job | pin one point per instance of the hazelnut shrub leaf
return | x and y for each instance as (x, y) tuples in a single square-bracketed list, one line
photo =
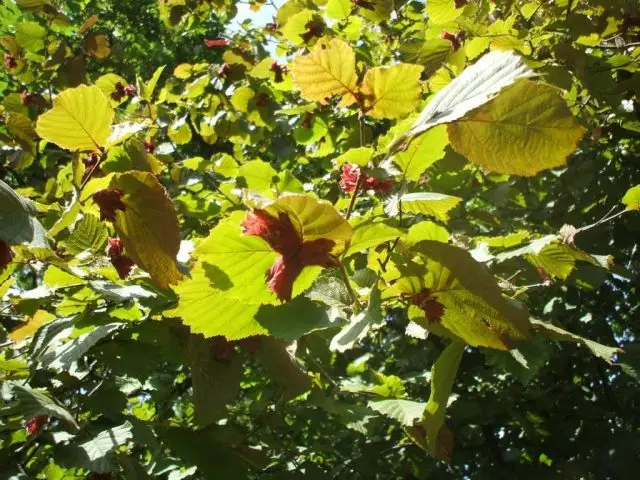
[(149, 226), (80, 119), (524, 130)]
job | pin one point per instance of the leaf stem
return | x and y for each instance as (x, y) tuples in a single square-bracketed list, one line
[(347, 283)]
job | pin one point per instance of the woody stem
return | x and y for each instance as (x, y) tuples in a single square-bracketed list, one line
[(347, 283)]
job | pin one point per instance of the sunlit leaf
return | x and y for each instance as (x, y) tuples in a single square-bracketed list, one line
[(392, 92), (525, 129), (327, 71), (80, 119)]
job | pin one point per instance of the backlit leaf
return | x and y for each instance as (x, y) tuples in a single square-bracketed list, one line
[(434, 204), (631, 199), (327, 71), (148, 226), (79, 120), (524, 130), (392, 92), (475, 86)]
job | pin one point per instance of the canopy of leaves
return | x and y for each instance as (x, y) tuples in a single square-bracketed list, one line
[(319, 239)]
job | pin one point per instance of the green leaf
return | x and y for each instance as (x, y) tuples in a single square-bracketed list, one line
[(17, 223), (89, 234), (294, 319), (259, 175), (180, 131), (426, 231), (28, 402), (421, 153), (631, 199), (80, 119), (237, 263), (367, 234), (212, 312), (67, 218), (100, 450), (556, 333), (474, 307), (282, 367), (145, 90), (148, 226), (443, 374), (61, 357), (406, 412), (54, 277), (524, 130), (338, 9), (215, 382), (328, 70), (435, 204), (442, 11), (359, 325), (392, 92), (475, 86), (360, 156), (30, 36)]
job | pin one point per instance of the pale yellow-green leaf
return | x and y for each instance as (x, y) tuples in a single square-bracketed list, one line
[(30, 36), (631, 199), (183, 70), (55, 277), (258, 175), (80, 119), (368, 234), (358, 156), (426, 231), (179, 131), (237, 263), (435, 204), (422, 152), (527, 128), (241, 98), (338, 9), (442, 11), (296, 26), (327, 71), (210, 311), (392, 92), (148, 226)]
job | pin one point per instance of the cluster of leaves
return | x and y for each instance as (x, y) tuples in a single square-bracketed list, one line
[(335, 246)]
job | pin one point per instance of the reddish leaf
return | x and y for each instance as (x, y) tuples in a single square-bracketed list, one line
[(278, 232), (431, 307), (6, 255), (109, 200), (217, 42)]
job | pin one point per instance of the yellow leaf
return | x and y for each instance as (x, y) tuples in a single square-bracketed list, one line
[(31, 326), (79, 120), (327, 71), (392, 92), (526, 129), (148, 226)]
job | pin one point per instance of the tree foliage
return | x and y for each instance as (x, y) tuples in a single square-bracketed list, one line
[(369, 239)]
